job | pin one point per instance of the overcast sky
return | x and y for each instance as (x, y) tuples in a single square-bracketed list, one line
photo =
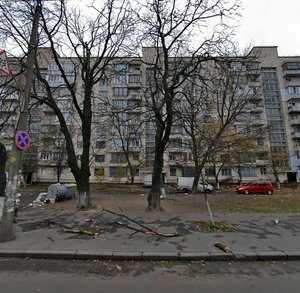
[(271, 23)]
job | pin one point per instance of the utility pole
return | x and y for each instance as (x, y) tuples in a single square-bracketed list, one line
[(7, 223)]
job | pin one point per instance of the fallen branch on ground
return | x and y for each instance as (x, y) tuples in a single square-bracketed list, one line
[(143, 229), (222, 247), (79, 231), (68, 229)]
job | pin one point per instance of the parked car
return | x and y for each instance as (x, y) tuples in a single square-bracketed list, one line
[(256, 186), (186, 184)]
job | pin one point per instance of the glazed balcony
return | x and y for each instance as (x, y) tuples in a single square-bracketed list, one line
[(294, 108)]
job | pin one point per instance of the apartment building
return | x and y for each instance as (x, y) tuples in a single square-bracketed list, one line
[(121, 122)]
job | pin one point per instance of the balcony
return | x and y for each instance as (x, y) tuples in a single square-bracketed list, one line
[(291, 73), (295, 135), (134, 81), (293, 108), (294, 97), (295, 121), (257, 109), (261, 163)]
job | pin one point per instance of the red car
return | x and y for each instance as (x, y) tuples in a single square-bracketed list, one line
[(256, 186)]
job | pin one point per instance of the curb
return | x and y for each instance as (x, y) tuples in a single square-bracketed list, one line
[(153, 256)]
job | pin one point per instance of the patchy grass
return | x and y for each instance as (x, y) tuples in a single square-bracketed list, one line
[(287, 201), (224, 201), (217, 227)]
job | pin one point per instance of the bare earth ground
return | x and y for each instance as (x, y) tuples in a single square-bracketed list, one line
[(223, 201)]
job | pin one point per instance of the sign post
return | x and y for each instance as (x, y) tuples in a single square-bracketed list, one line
[(22, 140)]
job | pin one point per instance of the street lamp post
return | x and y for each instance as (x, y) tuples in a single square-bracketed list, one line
[(7, 226)]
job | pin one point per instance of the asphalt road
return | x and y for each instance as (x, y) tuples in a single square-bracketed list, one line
[(38, 275)]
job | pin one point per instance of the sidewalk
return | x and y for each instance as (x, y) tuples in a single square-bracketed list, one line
[(259, 236)]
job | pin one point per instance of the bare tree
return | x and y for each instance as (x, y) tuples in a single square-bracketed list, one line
[(279, 159), (210, 107), (92, 37), (176, 29), (95, 40), (124, 126)]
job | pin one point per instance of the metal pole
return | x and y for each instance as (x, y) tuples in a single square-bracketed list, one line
[(7, 226)]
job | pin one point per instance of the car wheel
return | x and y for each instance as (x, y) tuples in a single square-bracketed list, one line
[(208, 191), (247, 191), (269, 192), (185, 190)]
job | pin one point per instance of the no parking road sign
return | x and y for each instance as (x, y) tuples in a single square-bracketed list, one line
[(22, 140)]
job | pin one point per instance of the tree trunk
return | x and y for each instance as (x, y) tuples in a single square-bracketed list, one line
[(155, 192), (196, 180), (131, 171), (84, 200), (209, 209), (3, 158)]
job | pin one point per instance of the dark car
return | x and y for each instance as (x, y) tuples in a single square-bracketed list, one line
[(256, 186)]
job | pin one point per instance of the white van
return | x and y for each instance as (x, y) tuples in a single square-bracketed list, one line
[(186, 184)]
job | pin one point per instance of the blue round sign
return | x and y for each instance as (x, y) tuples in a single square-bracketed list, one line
[(22, 140)]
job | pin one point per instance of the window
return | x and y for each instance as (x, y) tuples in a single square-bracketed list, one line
[(248, 171), (263, 171), (134, 78), (237, 66), (241, 129), (136, 157), (117, 172), (120, 91), (100, 118), (120, 104), (116, 143), (175, 143), (119, 79), (118, 158), (68, 67), (46, 156), (187, 157), (67, 116), (103, 94), (102, 106), (135, 142), (260, 143), (209, 172), (100, 144), (55, 79), (226, 172), (64, 104), (172, 171), (99, 172), (101, 131), (172, 156), (103, 81), (294, 90), (263, 183), (121, 67), (62, 91), (100, 158), (293, 65)]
